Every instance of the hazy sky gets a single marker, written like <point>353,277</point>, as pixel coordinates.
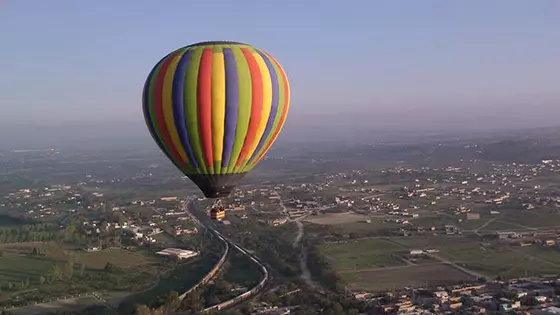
<point>391,63</point>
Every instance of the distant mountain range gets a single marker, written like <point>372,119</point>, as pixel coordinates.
<point>135,135</point>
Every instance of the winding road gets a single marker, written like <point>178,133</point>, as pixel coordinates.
<point>305,273</point>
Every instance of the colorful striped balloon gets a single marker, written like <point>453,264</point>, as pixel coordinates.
<point>215,109</point>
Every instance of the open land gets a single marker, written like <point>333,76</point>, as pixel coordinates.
<point>381,263</point>
<point>380,280</point>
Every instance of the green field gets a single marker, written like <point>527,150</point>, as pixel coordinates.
<point>15,268</point>
<point>499,226</point>
<point>361,226</point>
<point>18,264</point>
<point>370,263</point>
<point>431,241</point>
<point>427,275</point>
<point>493,260</point>
<point>362,254</point>
<point>532,219</point>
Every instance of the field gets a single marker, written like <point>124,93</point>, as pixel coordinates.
<point>498,226</point>
<point>337,218</point>
<point>20,268</point>
<point>18,264</point>
<point>505,261</point>
<point>376,223</point>
<point>533,219</point>
<point>362,254</point>
<point>492,260</point>
<point>380,264</point>
<point>390,278</point>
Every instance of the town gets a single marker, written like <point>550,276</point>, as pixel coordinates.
<point>472,236</point>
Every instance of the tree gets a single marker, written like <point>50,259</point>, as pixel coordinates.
<point>529,300</point>
<point>143,310</point>
<point>69,270</point>
<point>194,302</point>
<point>55,274</point>
<point>172,303</point>
<point>109,267</point>
<point>338,308</point>
<point>270,297</point>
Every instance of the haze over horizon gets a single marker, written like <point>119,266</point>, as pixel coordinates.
<point>385,65</point>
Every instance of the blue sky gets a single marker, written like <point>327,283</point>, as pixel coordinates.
<point>424,61</point>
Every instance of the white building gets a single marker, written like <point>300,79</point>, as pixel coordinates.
<point>179,253</point>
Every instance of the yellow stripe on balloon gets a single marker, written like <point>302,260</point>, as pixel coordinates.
<point>266,105</point>
<point>218,106</point>
<point>168,107</point>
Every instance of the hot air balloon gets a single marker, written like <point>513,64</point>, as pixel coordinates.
<point>215,109</point>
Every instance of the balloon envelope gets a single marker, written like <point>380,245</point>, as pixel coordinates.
<point>215,109</point>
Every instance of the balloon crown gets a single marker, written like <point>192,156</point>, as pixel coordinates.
<point>217,42</point>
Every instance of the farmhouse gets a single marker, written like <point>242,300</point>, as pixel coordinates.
<point>179,253</point>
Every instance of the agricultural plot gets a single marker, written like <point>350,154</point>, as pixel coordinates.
<point>431,241</point>
<point>375,223</point>
<point>15,269</point>
<point>119,257</point>
<point>416,276</point>
<point>499,225</point>
<point>374,263</point>
<point>363,254</point>
<point>336,218</point>
<point>533,219</point>
<point>20,264</point>
<point>504,261</point>
<point>94,260</point>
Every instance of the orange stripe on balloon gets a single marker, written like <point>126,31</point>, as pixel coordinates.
<point>204,98</point>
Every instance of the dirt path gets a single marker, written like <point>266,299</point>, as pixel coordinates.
<point>544,261</point>
<point>484,225</point>
<point>305,273</point>
<point>72,304</point>
<point>454,265</point>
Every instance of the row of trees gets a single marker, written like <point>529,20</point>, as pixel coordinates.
<point>29,233</point>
